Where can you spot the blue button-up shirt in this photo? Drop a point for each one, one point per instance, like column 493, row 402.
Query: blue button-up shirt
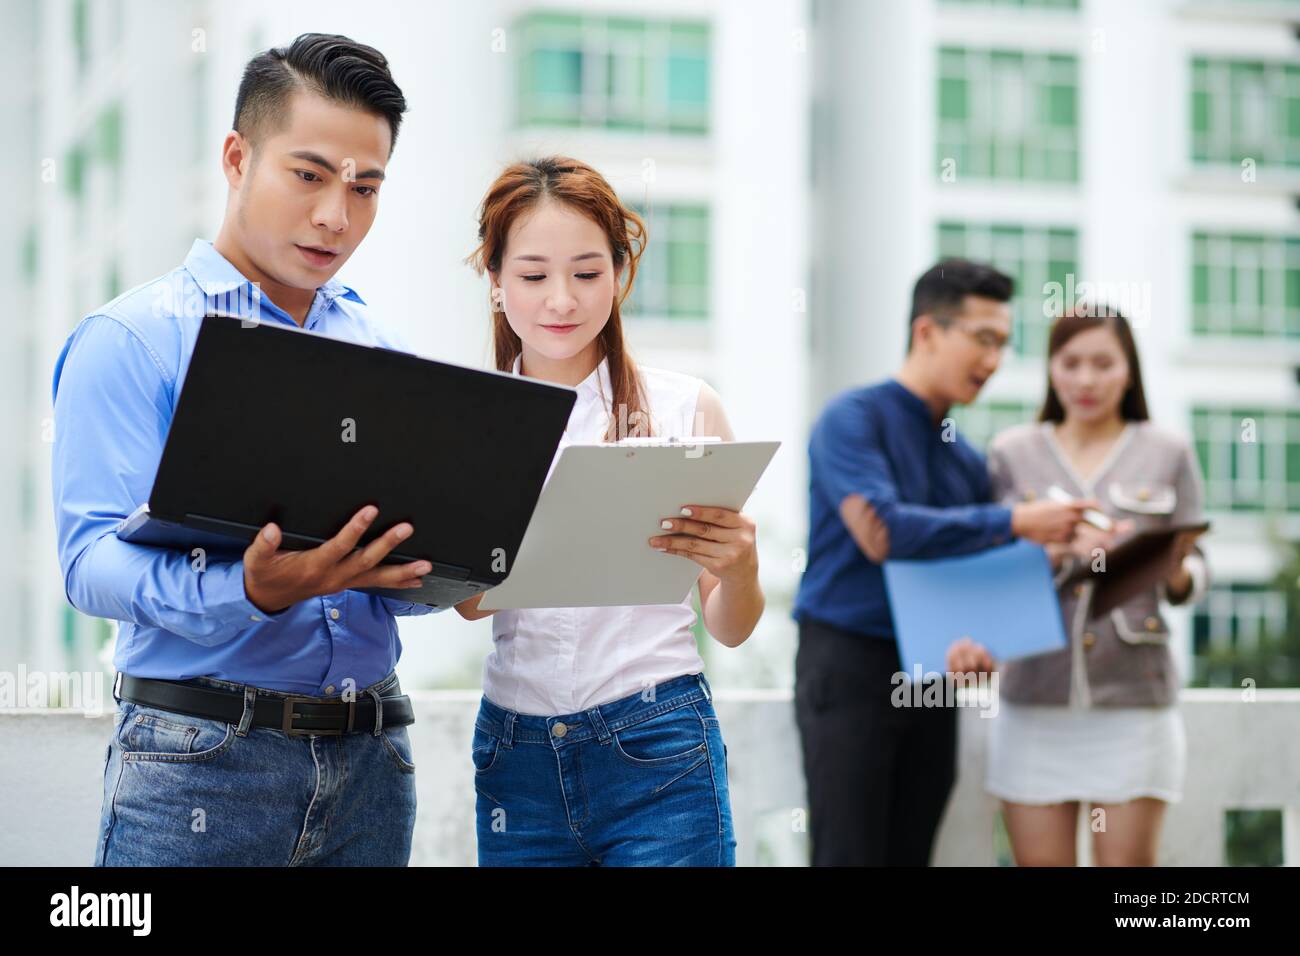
column 115, row 388
column 925, row 482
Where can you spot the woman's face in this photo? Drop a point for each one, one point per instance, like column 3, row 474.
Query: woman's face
column 1090, row 374
column 557, row 282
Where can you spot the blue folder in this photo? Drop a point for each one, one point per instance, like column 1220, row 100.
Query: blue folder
column 1002, row 598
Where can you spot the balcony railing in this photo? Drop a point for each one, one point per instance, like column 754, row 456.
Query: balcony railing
column 1242, row 754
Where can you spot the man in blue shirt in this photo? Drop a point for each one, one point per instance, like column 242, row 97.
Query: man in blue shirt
column 259, row 716
column 891, row 478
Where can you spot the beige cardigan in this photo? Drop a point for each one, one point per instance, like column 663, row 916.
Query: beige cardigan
column 1120, row 659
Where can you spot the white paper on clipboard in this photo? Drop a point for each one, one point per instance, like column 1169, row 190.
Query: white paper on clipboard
column 588, row 542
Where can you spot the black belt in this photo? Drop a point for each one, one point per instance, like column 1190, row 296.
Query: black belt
column 296, row 716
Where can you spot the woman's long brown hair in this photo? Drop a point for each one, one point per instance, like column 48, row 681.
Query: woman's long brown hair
column 520, row 188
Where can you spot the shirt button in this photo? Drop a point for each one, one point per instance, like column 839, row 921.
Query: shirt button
column 334, row 613
column 1152, row 624
column 1144, row 494
column 1089, row 639
column 255, row 617
column 329, row 689
column 560, row 728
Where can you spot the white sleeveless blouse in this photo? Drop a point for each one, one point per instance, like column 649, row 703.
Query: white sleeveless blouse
column 555, row 661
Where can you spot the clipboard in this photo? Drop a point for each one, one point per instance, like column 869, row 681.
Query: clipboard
column 587, row 544
column 1133, row 565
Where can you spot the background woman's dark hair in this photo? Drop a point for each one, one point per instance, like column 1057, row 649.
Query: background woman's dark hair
column 1133, row 406
column 333, row 66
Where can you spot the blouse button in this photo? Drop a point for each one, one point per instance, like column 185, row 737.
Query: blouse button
column 1089, row 639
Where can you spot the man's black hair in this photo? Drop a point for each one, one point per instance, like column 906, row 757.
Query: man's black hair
column 330, row 65
column 942, row 289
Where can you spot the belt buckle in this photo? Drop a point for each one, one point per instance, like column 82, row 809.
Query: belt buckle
column 286, row 724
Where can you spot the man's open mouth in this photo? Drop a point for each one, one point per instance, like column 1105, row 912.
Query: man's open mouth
column 316, row 255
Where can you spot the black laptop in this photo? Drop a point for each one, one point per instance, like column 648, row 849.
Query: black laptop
column 278, row 424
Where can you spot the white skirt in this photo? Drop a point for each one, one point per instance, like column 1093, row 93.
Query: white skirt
column 1041, row 755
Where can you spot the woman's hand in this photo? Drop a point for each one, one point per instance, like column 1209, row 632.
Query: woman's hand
column 1089, row 539
column 719, row 540
column 468, row 608
column 1178, row 580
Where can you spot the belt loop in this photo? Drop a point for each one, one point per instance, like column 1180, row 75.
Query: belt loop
column 598, row 721
column 379, row 710
column 508, row 731
column 704, row 686
column 117, row 687
column 246, row 718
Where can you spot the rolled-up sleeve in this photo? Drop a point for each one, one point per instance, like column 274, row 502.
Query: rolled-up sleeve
column 847, row 457
column 112, row 408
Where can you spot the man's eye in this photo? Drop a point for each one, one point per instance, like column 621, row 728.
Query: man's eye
column 369, row 190
column 533, row 278
column 303, row 174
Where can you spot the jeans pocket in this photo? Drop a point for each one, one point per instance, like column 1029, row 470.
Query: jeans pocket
column 152, row 734
column 662, row 740
column 484, row 750
column 398, row 744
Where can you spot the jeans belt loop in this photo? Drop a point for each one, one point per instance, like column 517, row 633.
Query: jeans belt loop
column 379, row 710
column 598, row 721
column 705, row 687
column 508, row 730
column 246, row 718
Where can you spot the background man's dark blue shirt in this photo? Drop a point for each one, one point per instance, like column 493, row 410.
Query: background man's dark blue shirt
column 882, row 443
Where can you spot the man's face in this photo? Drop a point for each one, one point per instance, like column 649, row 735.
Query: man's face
column 967, row 352
column 308, row 194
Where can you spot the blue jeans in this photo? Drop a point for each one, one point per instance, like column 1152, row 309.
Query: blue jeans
column 641, row 781
column 188, row 791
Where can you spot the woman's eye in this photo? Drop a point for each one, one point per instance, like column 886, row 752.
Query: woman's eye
column 535, row 278
column 588, row 275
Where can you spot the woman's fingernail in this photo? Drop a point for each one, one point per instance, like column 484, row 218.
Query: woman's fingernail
column 661, row 549
column 666, row 524
column 404, row 531
column 687, row 512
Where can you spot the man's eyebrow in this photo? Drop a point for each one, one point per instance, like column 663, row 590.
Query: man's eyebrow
column 577, row 258
column 319, row 160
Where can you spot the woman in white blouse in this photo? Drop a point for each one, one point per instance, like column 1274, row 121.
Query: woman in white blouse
column 596, row 740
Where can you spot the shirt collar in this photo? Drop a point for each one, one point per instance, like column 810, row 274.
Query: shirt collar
column 229, row 289
column 914, row 402
column 596, row 385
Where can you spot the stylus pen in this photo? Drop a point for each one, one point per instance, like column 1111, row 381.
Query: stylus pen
column 1090, row 515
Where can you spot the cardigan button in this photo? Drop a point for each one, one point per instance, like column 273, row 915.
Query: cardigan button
column 1089, row 639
